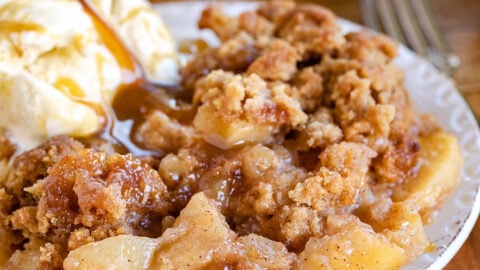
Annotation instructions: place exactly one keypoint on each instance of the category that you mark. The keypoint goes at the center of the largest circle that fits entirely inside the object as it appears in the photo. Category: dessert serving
(290, 145)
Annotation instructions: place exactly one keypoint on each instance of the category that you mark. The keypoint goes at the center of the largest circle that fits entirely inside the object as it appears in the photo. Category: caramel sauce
(80, 42)
(431, 247)
(193, 46)
(135, 98)
(9, 27)
(75, 92)
(124, 58)
(69, 87)
(15, 27)
(131, 105)
(15, 46)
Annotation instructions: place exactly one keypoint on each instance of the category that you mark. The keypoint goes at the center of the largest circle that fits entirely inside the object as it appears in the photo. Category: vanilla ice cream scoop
(32, 109)
(57, 74)
(144, 33)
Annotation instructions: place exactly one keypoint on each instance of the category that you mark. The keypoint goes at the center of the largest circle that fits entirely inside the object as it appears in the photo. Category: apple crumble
(288, 146)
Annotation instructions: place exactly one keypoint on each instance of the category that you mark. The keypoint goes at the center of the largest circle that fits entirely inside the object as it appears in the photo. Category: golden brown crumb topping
(298, 137)
(64, 196)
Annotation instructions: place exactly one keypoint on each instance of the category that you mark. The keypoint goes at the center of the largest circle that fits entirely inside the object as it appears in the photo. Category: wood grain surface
(460, 20)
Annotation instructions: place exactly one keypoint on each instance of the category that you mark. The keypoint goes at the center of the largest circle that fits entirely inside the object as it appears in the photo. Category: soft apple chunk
(236, 109)
(197, 235)
(120, 252)
(354, 245)
(262, 253)
(400, 223)
(441, 161)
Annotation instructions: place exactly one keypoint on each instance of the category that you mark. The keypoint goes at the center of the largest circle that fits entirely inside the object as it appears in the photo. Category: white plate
(431, 91)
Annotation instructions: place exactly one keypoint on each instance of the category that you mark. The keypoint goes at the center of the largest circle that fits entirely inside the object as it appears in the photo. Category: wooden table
(460, 20)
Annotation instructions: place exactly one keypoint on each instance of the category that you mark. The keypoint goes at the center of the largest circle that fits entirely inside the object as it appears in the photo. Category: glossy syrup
(134, 98)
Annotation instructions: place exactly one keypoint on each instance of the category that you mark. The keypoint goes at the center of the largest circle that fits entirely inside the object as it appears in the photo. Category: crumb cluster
(300, 135)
